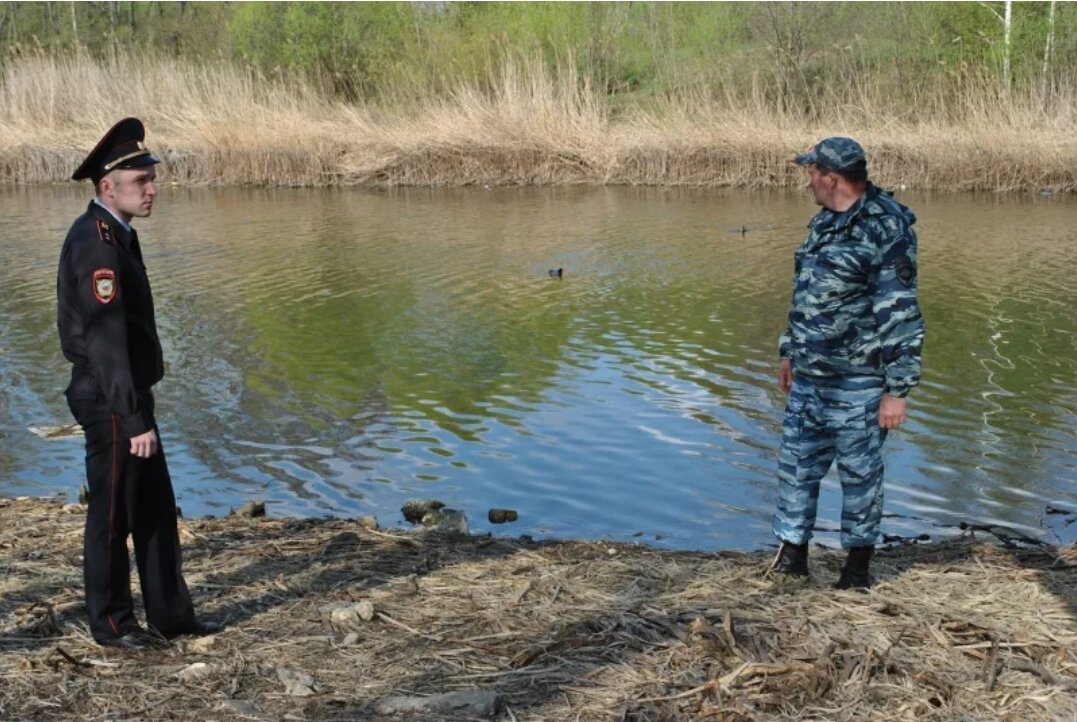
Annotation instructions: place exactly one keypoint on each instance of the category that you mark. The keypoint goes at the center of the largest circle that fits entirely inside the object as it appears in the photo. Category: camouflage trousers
(828, 419)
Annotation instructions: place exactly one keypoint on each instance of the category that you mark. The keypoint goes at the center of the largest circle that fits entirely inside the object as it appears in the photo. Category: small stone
(365, 610)
(409, 585)
(611, 551)
(239, 707)
(415, 509)
(446, 521)
(201, 645)
(186, 535)
(368, 522)
(502, 516)
(345, 613)
(349, 639)
(476, 703)
(194, 672)
(251, 508)
(296, 684)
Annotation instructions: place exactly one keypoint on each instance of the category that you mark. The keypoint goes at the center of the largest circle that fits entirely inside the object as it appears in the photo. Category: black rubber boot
(792, 560)
(855, 575)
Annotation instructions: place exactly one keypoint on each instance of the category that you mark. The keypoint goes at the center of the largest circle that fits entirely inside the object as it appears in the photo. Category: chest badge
(104, 284)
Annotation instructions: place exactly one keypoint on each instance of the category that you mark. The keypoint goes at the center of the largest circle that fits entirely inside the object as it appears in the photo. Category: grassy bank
(219, 124)
(554, 631)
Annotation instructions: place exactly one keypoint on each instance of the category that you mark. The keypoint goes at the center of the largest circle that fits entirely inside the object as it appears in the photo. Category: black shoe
(195, 629)
(792, 560)
(138, 639)
(855, 575)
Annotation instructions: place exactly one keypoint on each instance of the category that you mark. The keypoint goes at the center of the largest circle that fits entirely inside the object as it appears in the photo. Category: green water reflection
(339, 351)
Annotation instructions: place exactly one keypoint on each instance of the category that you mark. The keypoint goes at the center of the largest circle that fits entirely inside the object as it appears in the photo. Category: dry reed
(220, 124)
(557, 630)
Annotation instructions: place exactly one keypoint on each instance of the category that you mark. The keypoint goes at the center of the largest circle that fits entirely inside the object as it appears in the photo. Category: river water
(339, 351)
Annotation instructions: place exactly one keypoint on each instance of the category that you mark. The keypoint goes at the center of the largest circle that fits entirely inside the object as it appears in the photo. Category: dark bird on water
(744, 229)
(556, 272)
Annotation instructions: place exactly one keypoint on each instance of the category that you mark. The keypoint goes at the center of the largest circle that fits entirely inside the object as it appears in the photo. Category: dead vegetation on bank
(332, 620)
(219, 124)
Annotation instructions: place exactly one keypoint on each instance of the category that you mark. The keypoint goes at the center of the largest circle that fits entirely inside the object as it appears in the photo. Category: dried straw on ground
(559, 630)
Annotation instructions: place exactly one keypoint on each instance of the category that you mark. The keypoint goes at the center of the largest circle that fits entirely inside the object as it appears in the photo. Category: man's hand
(785, 375)
(144, 445)
(891, 412)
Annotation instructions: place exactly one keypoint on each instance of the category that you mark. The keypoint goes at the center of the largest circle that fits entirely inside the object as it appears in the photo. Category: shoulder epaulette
(104, 232)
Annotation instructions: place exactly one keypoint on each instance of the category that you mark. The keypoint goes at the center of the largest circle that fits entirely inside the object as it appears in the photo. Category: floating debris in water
(68, 431)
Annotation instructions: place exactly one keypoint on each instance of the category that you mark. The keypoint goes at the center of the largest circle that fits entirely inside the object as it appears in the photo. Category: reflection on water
(339, 351)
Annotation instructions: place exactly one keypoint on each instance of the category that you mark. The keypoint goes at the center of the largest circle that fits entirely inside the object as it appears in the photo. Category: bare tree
(1006, 18)
(786, 32)
(74, 24)
(1048, 48)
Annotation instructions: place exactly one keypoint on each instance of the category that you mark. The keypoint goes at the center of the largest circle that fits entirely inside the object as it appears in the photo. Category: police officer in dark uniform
(108, 333)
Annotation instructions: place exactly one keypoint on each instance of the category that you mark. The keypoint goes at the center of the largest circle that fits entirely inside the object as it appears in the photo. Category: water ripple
(337, 352)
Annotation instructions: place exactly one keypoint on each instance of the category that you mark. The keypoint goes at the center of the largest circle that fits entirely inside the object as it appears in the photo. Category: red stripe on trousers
(111, 513)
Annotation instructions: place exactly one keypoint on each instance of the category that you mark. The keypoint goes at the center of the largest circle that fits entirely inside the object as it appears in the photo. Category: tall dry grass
(221, 124)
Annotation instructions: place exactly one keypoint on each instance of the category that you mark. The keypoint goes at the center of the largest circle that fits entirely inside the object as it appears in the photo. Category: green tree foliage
(356, 47)
(797, 54)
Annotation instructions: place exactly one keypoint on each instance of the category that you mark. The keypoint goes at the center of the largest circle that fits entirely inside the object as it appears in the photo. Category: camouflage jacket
(854, 310)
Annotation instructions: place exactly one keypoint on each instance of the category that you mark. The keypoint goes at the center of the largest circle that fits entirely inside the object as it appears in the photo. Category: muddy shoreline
(333, 619)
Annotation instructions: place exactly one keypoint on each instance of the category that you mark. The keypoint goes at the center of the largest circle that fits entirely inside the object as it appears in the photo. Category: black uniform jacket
(105, 318)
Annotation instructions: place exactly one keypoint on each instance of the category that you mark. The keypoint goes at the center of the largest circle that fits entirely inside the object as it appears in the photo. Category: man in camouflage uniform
(849, 356)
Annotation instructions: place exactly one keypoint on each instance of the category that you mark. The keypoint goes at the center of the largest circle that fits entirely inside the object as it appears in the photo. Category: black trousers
(129, 496)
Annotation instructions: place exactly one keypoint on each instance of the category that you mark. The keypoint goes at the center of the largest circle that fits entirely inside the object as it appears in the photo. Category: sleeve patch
(104, 284)
(904, 270)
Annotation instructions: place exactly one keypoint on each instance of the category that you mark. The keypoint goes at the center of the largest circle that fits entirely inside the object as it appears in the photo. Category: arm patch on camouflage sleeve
(905, 270)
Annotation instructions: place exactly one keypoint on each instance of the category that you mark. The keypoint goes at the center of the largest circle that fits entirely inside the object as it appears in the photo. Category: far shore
(338, 619)
(424, 159)
(220, 125)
